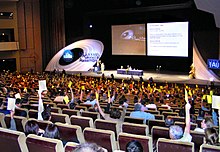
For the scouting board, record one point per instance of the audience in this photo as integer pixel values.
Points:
(206, 123)
(169, 121)
(92, 100)
(32, 127)
(89, 147)
(57, 85)
(212, 137)
(2, 109)
(52, 132)
(137, 113)
(134, 146)
(176, 132)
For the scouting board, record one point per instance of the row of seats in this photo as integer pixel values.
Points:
(73, 132)
(105, 138)
(15, 141)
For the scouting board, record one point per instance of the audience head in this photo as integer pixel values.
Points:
(169, 121)
(18, 102)
(175, 132)
(46, 114)
(201, 113)
(115, 113)
(52, 132)
(211, 136)
(31, 127)
(134, 146)
(92, 96)
(89, 147)
(207, 123)
(137, 107)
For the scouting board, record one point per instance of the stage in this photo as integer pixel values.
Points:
(169, 77)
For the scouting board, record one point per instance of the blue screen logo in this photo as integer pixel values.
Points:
(213, 64)
(67, 56)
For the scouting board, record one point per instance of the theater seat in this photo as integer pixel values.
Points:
(58, 117)
(152, 123)
(103, 138)
(169, 145)
(62, 106)
(12, 141)
(70, 133)
(197, 139)
(33, 113)
(43, 124)
(42, 144)
(138, 129)
(159, 132)
(70, 146)
(81, 107)
(93, 115)
(70, 112)
(56, 110)
(19, 121)
(83, 122)
(134, 120)
(108, 125)
(209, 148)
(178, 118)
(124, 138)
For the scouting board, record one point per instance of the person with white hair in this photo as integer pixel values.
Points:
(176, 132)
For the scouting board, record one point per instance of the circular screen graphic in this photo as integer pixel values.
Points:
(69, 56)
(78, 56)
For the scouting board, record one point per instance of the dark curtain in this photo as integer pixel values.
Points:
(52, 28)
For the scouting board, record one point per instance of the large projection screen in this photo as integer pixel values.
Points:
(128, 39)
(168, 39)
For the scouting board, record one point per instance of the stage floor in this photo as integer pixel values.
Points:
(157, 77)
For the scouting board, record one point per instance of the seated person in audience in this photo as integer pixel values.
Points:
(215, 117)
(165, 105)
(212, 137)
(18, 104)
(113, 114)
(32, 127)
(137, 113)
(52, 132)
(176, 132)
(46, 114)
(89, 147)
(134, 146)
(169, 121)
(201, 114)
(206, 123)
(151, 104)
(2, 110)
(12, 121)
(143, 104)
(92, 100)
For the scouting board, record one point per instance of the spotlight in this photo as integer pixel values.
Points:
(90, 26)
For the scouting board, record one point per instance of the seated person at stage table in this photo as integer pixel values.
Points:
(137, 113)
(176, 132)
(92, 100)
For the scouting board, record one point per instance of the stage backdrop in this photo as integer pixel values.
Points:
(78, 56)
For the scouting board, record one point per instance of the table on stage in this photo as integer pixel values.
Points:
(130, 72)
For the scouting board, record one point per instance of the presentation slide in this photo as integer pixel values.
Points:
(128, 39)
(167, 39)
